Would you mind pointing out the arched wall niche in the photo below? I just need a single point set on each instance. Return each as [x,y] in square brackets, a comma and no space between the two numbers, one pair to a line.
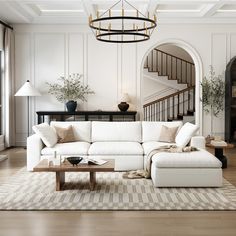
[198,75]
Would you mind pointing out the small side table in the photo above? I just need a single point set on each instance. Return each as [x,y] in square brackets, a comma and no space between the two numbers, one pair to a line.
[219,152]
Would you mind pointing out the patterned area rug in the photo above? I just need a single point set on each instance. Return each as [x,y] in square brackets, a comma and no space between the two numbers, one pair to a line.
[36,191]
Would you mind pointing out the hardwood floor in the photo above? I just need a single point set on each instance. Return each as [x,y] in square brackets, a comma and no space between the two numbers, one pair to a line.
[86,223]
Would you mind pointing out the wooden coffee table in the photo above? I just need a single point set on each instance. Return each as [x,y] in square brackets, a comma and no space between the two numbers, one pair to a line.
[60,170]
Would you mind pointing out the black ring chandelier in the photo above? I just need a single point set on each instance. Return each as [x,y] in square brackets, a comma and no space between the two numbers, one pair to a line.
[121,28]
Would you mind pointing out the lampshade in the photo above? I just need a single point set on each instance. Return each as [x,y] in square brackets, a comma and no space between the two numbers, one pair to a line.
[125,98]
[27,90]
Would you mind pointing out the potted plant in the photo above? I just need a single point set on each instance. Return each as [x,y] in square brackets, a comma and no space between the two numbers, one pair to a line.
[69,91]
[213,92]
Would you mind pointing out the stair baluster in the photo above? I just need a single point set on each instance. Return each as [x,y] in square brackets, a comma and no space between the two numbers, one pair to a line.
[168,107]
[164,68]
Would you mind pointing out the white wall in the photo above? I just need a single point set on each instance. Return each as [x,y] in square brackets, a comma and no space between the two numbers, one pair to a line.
[45,52]
[175,51]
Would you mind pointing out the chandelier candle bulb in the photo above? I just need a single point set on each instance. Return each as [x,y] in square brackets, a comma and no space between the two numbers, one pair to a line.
[97,14]
[137,13]
[110,13]
[123,12]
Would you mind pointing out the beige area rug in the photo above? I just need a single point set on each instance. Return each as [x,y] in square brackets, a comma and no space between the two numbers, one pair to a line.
[36,191]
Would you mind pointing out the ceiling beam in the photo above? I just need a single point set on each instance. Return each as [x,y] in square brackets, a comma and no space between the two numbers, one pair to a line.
[16,8]
[211,9]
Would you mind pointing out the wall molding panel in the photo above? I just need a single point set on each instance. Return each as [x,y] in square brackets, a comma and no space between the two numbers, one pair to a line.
[45,52]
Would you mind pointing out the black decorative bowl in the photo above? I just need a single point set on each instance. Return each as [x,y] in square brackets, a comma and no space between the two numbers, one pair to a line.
[74,160]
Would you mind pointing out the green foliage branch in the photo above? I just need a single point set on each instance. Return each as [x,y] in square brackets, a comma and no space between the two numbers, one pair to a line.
[70,88]
[213,92]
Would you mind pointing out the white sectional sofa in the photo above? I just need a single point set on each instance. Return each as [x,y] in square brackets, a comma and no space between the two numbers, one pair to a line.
[129,143]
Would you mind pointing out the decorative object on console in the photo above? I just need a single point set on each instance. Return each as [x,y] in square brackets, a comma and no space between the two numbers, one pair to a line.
[123,27]
[27,90]
[213,92]
[124,106]
[71,106]
[70,90]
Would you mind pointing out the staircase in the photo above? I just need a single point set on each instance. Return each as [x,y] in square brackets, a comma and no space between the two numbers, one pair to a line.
[179,105]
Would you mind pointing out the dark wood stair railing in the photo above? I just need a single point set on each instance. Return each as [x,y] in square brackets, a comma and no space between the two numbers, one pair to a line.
[169,65]
[171,107]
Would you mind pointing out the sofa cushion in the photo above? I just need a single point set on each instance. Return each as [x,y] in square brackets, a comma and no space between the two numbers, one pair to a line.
[116,148]
[149,146]
[168,134]
[116,131]
[196,159]
[151,129]
[65,135]
[74,148]
[46,133]
[81,129]
[185,134]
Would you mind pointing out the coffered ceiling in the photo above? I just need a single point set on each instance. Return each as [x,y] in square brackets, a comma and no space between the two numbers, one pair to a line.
[77,11]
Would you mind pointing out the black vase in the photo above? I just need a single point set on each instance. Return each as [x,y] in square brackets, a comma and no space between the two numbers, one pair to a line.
[71,106]
[123,106]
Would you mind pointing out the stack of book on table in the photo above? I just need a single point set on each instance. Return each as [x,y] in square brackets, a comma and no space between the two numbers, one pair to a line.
[218,143]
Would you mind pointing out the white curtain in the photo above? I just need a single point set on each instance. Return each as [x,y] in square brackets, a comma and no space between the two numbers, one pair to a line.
[8,111]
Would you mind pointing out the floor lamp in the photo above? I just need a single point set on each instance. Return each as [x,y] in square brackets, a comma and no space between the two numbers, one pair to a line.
[27,90]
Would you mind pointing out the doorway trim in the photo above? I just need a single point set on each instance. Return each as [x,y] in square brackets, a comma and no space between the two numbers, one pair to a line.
[198,75]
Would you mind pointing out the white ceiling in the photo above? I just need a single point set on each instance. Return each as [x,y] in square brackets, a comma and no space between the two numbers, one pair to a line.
[77,11]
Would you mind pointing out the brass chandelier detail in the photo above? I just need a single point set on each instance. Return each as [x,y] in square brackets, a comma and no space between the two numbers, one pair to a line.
[121,27]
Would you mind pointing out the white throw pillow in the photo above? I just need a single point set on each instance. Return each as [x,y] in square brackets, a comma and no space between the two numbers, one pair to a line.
[185,134]
[46,133]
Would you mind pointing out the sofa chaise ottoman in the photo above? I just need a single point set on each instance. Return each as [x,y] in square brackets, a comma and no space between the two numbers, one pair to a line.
[188,169]
[129,144]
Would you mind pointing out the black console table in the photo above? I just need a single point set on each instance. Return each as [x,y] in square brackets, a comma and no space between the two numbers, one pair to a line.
[47,116]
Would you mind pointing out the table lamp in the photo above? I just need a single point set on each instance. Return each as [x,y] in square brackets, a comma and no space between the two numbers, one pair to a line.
[123,106]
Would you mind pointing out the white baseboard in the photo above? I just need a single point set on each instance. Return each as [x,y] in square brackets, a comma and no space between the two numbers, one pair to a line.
[20,144]
[2,146]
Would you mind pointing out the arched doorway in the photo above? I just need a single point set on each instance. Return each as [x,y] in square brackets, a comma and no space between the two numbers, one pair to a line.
[198,74]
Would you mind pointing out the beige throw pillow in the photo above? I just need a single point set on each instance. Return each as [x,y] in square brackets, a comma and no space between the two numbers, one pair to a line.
[65,135]
[168,134]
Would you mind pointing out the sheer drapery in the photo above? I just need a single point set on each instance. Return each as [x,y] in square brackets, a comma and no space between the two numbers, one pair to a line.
[8,89]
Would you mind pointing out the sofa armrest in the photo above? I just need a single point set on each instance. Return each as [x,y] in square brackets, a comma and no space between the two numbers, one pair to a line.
[34,147]
[198,142]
